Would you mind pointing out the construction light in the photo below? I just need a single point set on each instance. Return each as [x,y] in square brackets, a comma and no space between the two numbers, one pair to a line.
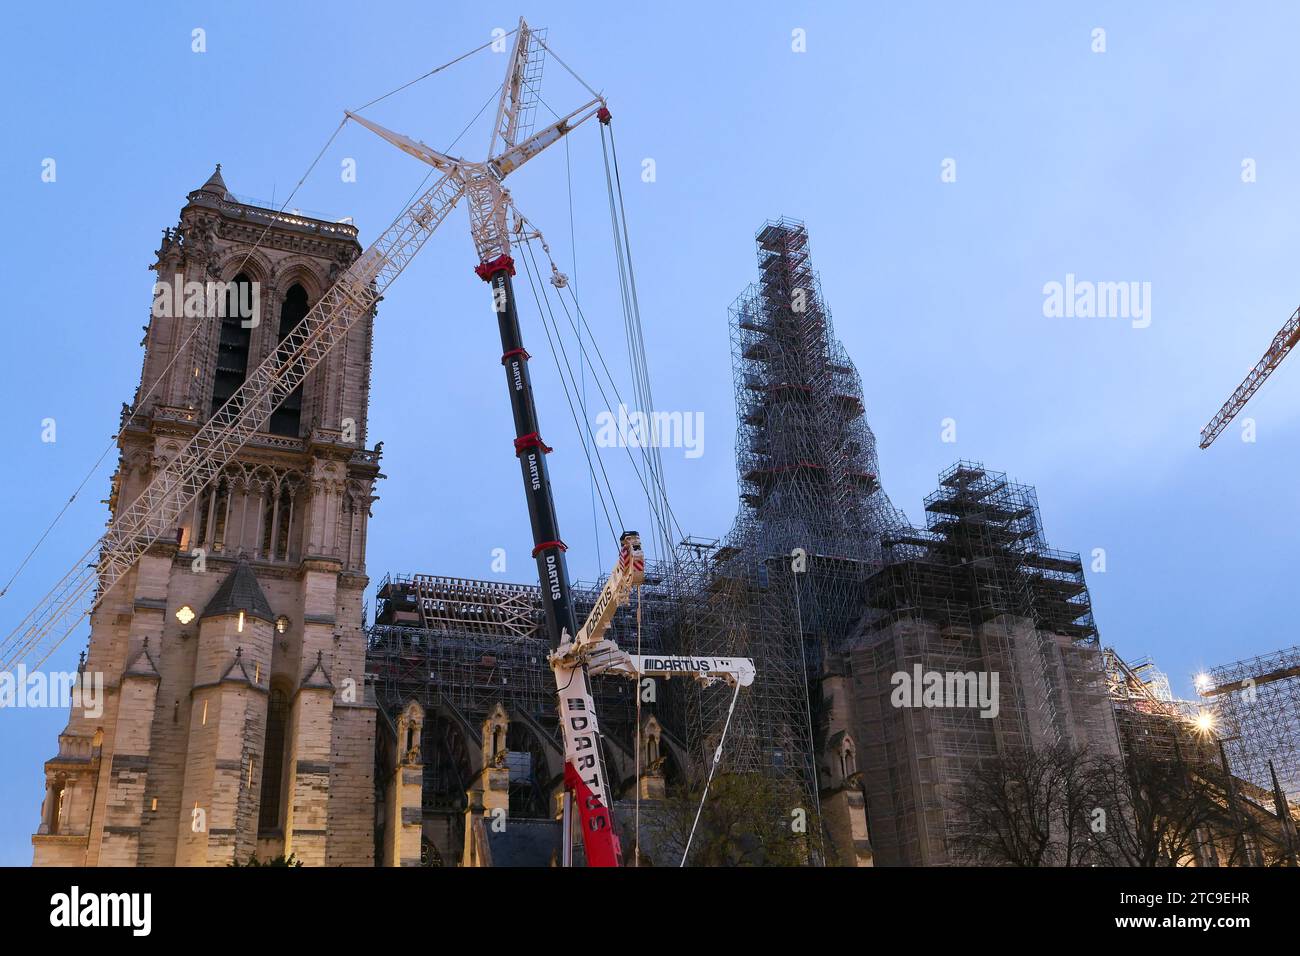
[1205,721]
[1203,682]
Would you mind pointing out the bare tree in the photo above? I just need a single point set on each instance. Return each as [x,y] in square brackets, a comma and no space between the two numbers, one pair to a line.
[1029,808]
[1005,811]
[1157,812]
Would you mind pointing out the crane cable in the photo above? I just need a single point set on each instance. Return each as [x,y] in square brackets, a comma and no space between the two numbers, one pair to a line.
[545,296]
[582,368]
[633,328]
[203,322]
[662,514]
[582,320]
[200,326]
[717,756]
[530,268]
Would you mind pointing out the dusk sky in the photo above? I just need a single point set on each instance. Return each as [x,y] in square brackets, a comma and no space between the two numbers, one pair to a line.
[950,161]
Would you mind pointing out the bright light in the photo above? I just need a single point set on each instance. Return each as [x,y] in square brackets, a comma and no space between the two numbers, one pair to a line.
[1205,721]
[1202,682]
[185,614]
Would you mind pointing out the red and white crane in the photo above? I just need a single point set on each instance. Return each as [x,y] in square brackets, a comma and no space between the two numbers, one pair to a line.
[172,491]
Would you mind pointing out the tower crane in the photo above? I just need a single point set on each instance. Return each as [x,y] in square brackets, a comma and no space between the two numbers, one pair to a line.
[1282,343]
[175,486]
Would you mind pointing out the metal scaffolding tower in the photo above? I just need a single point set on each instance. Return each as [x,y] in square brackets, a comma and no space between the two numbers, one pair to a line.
[976,591]
[809,480]
[1257,705]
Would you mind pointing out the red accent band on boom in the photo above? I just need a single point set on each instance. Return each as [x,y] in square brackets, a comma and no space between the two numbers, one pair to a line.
[549,544]
[531,440]
[514,352]
[598,836]
[486,270]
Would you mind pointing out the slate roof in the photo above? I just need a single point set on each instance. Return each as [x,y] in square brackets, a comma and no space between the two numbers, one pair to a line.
[240,592]
[216,184]
[525,843]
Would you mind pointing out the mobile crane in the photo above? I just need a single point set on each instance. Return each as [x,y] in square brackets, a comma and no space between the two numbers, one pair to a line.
[155,513]
[588,653]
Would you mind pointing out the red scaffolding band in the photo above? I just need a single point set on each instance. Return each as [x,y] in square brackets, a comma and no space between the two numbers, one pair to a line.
[531,440]
[549,544]
[512,353]
[486,270]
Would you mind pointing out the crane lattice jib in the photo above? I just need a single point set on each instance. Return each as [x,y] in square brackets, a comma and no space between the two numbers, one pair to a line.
[1282,343]
[174,488]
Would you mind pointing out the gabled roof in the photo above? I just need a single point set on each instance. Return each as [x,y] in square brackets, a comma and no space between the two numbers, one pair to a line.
[143,665]
[240,592]
[237,673]
[318,676]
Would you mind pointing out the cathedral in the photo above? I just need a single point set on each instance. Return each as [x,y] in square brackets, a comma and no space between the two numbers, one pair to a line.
[236,723]
[252,713]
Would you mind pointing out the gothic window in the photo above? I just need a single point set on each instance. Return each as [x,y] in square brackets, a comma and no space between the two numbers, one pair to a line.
[286,420]
[277,714]
[277,514]
[232,344]
[848,763]
[211,517]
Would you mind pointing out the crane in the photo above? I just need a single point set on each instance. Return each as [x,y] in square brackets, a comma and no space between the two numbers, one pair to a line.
[1282,344]
[173,488]
[588,653]
[177,483]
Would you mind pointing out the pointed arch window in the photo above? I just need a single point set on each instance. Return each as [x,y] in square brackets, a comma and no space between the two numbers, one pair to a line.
[232,343]
[211,511]
[287,419]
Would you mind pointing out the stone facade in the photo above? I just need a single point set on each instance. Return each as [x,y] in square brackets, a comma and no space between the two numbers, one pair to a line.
[233,655]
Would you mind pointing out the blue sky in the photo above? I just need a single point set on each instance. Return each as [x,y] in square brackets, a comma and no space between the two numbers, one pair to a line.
[1116,166]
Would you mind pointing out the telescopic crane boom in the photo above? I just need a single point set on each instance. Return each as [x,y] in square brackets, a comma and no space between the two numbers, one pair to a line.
[176,485]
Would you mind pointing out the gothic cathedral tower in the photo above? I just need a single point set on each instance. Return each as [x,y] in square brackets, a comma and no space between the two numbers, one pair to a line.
[236,720]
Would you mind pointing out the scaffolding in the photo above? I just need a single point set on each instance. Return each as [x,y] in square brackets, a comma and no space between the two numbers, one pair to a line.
[1256,703]
[1150,720]
[805,455]
[459,646]
[808,480]
[977,591]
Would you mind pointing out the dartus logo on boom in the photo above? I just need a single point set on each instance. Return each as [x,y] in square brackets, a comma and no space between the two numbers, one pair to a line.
[196,300]
[955,689]
[624,429]
[1098,300]
[61,689]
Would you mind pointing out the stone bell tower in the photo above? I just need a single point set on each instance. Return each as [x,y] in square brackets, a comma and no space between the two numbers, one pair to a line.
[233,655]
